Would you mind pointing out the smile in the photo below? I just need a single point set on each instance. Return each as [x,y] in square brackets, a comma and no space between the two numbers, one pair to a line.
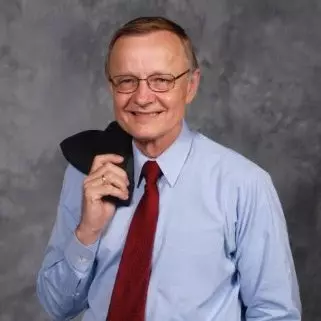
[145,114]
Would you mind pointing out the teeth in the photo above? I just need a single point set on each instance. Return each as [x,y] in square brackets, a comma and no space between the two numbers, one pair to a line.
[149,114]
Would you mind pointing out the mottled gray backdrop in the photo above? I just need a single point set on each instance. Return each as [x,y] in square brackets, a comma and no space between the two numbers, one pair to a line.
[260,94]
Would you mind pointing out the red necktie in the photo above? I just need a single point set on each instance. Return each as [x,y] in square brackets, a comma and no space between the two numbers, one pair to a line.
[130,290]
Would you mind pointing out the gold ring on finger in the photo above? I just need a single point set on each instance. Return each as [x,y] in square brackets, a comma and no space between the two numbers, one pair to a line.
[103,179]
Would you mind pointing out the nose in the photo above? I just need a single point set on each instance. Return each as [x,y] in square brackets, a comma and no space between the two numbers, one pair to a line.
[143,94]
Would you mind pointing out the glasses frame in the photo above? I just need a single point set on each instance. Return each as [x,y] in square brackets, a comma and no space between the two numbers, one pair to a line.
[146,79]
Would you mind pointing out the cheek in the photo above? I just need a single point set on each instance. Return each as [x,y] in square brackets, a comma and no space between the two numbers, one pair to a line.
[173,102]
[120,101]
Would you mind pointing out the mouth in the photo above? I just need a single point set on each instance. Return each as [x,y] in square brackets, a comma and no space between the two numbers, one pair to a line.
[139,114]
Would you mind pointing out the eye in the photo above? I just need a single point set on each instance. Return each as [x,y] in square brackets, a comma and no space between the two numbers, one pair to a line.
[161,80]
[128,80]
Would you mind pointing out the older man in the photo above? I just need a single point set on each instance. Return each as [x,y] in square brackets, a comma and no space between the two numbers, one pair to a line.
[204,237]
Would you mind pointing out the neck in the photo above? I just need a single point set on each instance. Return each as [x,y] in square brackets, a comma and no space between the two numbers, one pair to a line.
[154,148]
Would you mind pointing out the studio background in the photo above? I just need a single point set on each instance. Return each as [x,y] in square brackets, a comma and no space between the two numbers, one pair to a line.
[260,94]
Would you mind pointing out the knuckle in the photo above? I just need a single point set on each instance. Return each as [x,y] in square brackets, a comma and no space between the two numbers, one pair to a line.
[86,180]
[85,185]
[124,186]
[123,172]
[108,166]
[87,194]
[96,159]
[114,191]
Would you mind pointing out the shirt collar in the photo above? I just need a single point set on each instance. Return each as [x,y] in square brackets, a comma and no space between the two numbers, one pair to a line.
[171,160]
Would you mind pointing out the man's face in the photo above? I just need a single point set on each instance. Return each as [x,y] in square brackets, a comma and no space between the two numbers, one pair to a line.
[145,114]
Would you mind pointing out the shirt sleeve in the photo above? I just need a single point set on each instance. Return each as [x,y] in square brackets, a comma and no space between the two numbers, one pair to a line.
[268,282]
[67,269]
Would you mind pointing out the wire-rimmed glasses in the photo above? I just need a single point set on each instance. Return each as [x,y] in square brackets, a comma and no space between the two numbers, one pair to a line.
[158,82]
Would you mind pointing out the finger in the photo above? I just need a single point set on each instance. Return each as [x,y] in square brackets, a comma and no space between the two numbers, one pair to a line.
[108,170]
[103,159]
[96,193]
[109,178]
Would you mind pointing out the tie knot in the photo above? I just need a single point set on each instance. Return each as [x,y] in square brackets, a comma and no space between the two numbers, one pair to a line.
[151,172]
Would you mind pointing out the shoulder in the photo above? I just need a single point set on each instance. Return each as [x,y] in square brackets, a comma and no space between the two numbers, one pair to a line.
[230,164]
[238,181]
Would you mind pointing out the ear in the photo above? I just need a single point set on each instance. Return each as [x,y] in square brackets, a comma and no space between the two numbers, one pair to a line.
[110,86]
[108,81]
[192,86]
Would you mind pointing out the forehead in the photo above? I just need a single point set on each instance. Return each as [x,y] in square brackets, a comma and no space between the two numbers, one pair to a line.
[143,54]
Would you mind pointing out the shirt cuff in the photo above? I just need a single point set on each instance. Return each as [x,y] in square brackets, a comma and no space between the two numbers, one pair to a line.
[79,256]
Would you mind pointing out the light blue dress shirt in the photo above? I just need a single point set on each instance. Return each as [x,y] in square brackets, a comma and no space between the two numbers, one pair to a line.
[221,250]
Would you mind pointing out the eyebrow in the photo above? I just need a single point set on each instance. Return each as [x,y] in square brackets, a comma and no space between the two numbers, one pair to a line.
[157,72]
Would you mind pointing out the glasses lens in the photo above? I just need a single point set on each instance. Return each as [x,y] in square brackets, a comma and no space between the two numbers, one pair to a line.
[161,82]
[126,83]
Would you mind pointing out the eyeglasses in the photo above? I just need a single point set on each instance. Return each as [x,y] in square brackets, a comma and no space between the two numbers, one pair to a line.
[159,82]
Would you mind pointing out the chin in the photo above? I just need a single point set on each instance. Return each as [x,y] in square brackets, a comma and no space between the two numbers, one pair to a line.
[145,134]
[139,130]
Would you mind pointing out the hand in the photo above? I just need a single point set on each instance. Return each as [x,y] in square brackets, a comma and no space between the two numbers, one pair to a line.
[105,178]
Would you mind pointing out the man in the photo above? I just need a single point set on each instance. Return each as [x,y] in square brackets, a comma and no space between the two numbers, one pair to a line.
[212,241]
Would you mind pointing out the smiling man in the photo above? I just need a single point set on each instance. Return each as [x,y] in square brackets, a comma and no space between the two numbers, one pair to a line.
[204,238]
[152,111]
